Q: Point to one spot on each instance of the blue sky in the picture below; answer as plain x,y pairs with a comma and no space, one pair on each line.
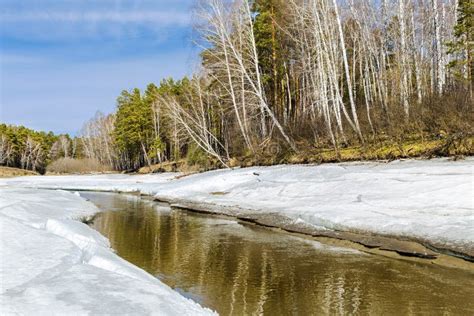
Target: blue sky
61,61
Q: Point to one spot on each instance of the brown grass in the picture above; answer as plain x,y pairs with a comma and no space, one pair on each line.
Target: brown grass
456,145
8,172
172,166
70,165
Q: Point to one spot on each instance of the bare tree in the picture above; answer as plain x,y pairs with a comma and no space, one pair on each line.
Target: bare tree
96,137
229,28
31,156
193,119
6,150
61,148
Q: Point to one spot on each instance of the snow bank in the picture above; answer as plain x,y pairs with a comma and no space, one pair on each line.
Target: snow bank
431,200
106,182
53,264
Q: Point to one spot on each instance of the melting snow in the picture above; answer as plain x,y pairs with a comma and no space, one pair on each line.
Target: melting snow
51,263
428,199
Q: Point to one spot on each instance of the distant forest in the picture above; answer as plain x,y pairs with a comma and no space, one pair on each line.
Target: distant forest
290,81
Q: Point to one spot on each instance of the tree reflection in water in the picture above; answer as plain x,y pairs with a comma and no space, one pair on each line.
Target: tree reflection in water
237,269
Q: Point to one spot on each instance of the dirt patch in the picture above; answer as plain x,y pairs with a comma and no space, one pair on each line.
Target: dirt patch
218,193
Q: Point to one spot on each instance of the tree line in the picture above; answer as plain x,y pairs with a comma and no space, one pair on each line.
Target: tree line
299,76
25,148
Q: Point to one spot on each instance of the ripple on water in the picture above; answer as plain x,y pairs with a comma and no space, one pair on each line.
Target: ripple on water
245,269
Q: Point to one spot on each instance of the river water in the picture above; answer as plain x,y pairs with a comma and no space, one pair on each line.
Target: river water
239,269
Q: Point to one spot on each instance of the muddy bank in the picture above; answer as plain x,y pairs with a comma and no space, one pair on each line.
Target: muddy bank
403,246
238,267
410,247
426,202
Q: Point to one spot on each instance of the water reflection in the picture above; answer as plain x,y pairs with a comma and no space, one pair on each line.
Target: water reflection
246,270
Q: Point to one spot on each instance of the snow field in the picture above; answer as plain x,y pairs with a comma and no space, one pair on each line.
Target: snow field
430,200
51,263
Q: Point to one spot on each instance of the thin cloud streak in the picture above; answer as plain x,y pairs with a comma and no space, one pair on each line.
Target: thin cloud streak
61,61
165,18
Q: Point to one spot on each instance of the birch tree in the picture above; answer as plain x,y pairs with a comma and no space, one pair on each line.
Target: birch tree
97,140
229,30
31,156
194,120
403,57
6,150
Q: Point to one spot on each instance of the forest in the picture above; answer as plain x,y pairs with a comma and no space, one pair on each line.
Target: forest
293,81
25,148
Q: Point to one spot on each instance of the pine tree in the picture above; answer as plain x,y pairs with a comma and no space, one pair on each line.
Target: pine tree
133,132
462,48
270,47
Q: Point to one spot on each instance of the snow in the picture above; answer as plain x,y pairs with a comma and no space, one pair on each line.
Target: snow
51,263
145,184
430,200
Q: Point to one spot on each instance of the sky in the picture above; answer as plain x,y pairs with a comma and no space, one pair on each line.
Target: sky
61,61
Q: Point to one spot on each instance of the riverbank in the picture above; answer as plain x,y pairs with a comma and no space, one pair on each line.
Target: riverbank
9,172
380,205
238,268
454,146
53,263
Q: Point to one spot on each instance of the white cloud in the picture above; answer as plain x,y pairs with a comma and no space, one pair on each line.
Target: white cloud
60,61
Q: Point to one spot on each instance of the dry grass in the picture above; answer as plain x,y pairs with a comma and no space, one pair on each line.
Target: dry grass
70,165
456,145
8,172
172,166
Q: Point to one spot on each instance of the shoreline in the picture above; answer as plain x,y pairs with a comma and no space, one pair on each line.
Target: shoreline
406,246
56,257
412,208
387,246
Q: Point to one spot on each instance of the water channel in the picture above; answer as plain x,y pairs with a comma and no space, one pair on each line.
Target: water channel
240,269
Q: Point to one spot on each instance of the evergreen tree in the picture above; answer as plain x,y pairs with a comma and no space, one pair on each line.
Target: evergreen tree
463,46
25,148
133,133
270,48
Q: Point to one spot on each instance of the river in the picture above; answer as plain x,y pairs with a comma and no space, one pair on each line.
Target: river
237,268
